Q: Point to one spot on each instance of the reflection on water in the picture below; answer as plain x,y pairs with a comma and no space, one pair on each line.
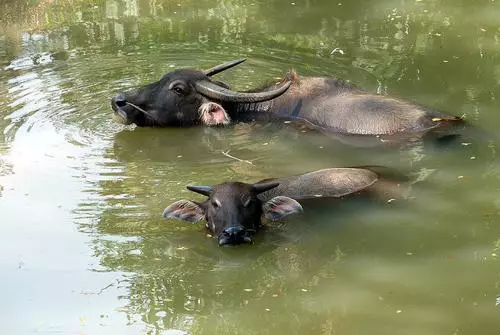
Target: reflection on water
81,196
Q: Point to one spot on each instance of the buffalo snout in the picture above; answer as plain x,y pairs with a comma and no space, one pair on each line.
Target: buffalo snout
235,235
119,100
119,105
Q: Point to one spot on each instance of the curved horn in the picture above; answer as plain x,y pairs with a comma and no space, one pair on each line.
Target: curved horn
216,92
205,190
222,67
260,188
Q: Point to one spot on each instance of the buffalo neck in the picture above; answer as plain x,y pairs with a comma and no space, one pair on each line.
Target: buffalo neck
247,112
293,103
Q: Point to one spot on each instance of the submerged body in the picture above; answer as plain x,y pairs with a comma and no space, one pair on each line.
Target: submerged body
332,105
233,210
190,97
326,183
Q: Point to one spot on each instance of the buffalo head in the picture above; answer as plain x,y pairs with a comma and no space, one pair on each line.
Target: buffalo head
184,98
233,211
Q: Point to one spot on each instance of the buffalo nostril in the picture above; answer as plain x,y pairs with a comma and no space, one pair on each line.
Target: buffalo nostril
234,235
120,100
233,231
224,241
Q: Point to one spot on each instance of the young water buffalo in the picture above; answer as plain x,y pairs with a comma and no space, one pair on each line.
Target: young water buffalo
233,210
189,97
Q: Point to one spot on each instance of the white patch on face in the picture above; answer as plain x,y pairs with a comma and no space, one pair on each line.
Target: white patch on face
212,114
217,202
179,115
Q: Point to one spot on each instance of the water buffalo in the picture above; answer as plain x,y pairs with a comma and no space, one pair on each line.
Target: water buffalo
185,97
233,210
190,97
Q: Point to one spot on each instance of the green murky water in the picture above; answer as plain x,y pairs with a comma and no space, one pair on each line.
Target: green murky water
83,249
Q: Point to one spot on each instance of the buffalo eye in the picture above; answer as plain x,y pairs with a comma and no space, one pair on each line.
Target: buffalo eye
246,201
178,87
178,90
216,203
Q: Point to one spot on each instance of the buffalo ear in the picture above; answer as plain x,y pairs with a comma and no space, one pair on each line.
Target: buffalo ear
279,207
184,210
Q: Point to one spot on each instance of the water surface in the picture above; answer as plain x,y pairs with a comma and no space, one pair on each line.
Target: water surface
85,250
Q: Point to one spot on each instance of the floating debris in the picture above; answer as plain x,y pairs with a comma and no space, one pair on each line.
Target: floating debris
337,50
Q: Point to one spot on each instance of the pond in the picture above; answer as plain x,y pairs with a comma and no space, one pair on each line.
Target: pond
84,248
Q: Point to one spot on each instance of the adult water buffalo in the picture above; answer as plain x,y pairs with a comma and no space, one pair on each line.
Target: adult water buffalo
190,97
233,210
